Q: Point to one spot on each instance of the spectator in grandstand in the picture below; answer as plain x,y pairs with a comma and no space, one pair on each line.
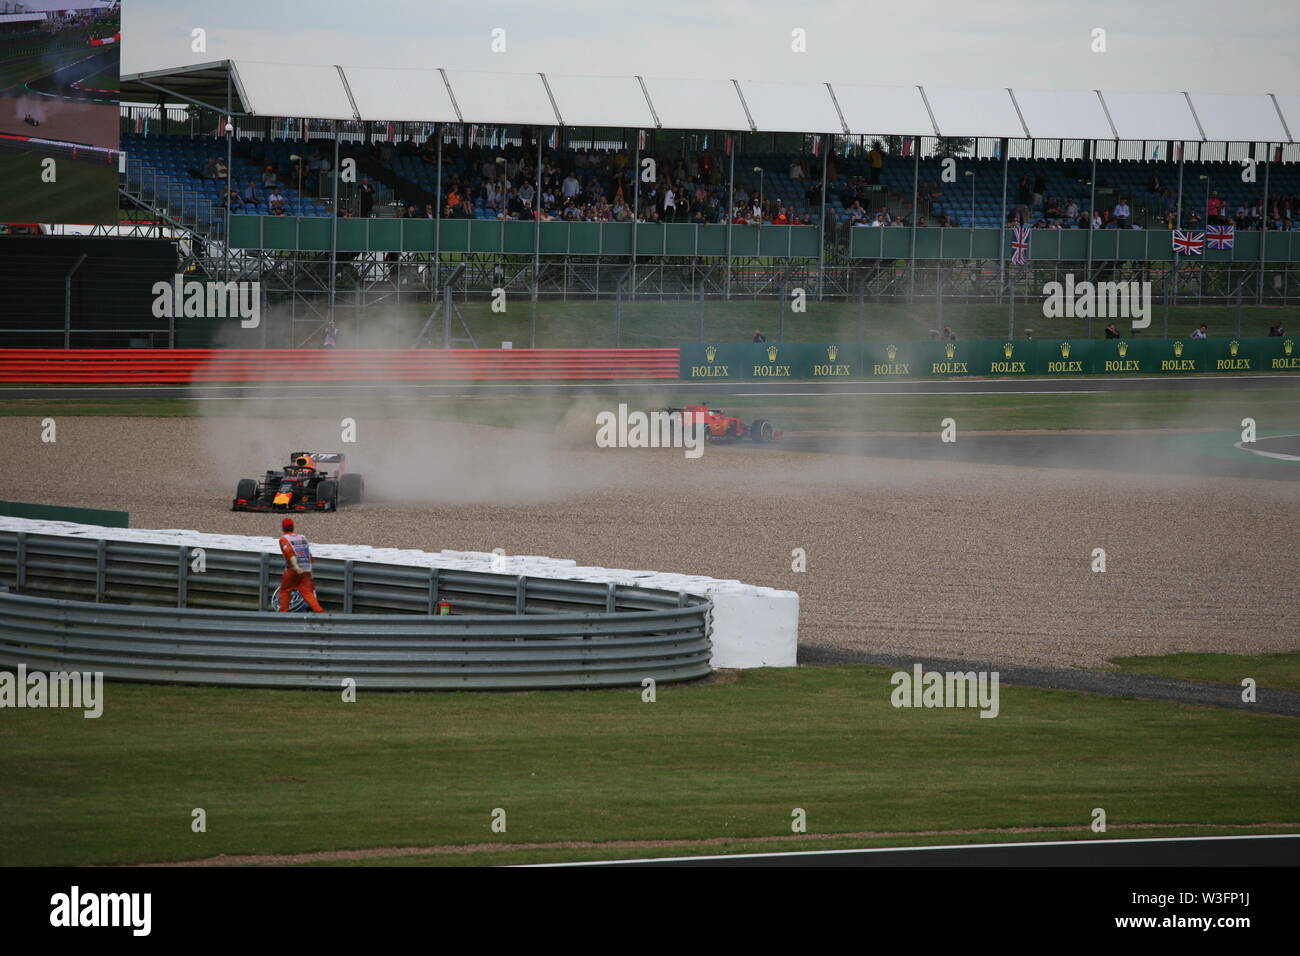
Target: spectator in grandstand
429,211
948,335
268,177
856,212
250,194
366,195
796,170
1276,331
1029,333
1153,185
1040,190
1201,332
1214,210
1121,213
210,169
276,201
331,335
571,187
1243,217
876,160
1024,191
1112,332
759,337
1071,209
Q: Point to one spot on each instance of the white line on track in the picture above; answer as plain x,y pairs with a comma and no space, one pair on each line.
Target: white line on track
1270,454
906,849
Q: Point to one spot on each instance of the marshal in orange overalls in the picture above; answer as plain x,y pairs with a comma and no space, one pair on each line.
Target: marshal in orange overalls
297,571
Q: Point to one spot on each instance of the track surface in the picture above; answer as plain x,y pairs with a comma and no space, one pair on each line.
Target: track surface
1271,850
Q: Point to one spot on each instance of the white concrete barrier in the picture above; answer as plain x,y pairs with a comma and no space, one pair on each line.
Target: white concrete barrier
752,626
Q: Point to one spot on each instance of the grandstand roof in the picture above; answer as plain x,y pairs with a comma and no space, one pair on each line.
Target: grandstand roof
538,99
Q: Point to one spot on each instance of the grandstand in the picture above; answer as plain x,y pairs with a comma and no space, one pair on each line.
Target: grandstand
947,171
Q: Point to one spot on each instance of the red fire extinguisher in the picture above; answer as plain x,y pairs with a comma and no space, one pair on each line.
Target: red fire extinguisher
444,607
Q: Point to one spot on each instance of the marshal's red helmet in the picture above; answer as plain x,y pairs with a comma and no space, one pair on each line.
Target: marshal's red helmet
286,524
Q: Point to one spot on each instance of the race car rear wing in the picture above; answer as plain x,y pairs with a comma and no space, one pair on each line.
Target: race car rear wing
323,458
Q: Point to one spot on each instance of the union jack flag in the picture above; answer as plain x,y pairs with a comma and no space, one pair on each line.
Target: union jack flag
1188,243
1020,245
1220,237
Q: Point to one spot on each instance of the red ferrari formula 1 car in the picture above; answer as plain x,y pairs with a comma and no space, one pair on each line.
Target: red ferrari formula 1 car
305,484
719,426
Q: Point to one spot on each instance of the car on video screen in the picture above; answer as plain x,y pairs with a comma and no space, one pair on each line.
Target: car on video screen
312,481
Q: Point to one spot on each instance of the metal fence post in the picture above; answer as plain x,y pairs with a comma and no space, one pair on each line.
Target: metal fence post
610,596
263,579
433,590
20,562
521,593
347,586
182,575
101,570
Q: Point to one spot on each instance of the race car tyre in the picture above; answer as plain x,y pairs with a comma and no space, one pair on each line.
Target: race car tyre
352,489
328,492
246,489
762,430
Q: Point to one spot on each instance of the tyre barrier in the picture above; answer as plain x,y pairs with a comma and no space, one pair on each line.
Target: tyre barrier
76,603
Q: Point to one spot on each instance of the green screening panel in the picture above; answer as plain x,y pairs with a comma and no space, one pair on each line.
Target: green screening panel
986,244
805,241
744,240
1043,244
1105,243
679,239
713,240
353,234
518,237
616,238
864,243
485,235
314,233
650,239
1278,247
929,243
1133,245
555,238
383,235
954,243
246,232
417,235
279,232
453,235
774,240
894,243
1074,243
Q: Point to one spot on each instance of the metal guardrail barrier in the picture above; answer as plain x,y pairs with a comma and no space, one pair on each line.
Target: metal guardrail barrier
140,612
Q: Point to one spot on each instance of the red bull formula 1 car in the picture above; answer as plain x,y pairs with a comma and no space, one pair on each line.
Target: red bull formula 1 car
312,481
719,426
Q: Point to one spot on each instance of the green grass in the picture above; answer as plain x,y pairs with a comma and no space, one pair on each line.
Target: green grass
285,772
1271,671
1220,408
585,324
